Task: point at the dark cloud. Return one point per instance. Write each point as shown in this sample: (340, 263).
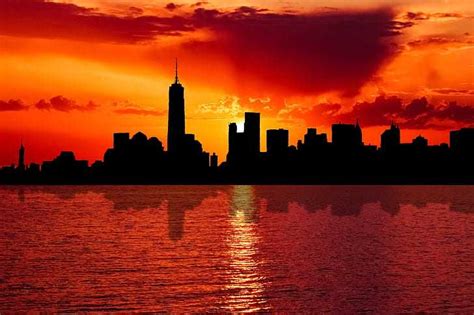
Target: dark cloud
(416, 108)
(446, 116)
(199, 4)
(39, 18)
(134, 11)
(447, 15)
(172, 6)
(60, 103)
(455, 112)
(448, 91)
(311, 53)
(12, 105)
(380, 112)
(441, 40)
(416, 16)
(421, 16)
(138, 111)
(417, 114)
(269, 52)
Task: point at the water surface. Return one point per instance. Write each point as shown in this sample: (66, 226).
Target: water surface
(341, 249)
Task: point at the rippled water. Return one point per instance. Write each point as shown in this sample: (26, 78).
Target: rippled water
(343, 249)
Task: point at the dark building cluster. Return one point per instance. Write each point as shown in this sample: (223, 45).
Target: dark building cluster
(139, 159)
(142, 158)
(347, 159)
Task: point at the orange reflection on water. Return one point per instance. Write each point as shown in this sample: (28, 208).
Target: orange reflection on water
(246, 282)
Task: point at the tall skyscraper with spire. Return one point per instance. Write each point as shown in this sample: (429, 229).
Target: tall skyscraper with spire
(21, 157)
(176, 118)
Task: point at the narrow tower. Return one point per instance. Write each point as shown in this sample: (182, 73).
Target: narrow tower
(176, 125)
(21, 157)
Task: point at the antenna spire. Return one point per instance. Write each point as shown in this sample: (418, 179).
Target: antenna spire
(176, 80)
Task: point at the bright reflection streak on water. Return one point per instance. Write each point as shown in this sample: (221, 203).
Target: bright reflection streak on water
(246, 283)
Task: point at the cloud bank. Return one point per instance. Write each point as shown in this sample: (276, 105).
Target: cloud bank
(271, 52)
(417, 114)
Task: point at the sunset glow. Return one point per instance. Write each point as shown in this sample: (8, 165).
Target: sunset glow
(74, 72)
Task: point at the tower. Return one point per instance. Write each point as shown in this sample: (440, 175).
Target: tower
(252, 132)
(21, 157)
(176, 124)
(232, 138)
(214, 161)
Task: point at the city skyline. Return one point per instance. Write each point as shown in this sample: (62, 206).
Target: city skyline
(314, 159)
(74, 73)
(177, 120)
(261, 156)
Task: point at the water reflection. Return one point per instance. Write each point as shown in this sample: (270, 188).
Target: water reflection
(175, 200)
(350, 200)
(245, 287)
(339, 200)
(131, 248)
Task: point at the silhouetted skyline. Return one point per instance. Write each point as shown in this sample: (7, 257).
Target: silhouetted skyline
(140, 159)
(89, 75)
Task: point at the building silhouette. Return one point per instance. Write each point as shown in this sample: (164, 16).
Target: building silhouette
(390, 138)
(462, 142)
(136, 156)
(214, 161)
(420, 142)
(244, 147)
(347, 137)
(277, 142)
(314, 160)
(313, 142)
(64, 167)
(21, 158)
(252, 131)
(176, 116)
(144, 159)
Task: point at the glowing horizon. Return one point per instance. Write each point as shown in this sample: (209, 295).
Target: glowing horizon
(74, 73)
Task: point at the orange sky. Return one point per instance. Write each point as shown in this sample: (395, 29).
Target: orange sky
(103, 66)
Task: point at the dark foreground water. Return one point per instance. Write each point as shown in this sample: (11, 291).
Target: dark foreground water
(237, 248)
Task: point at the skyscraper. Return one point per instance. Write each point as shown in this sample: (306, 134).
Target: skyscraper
(21, 157)
(244, 146)
(252, 132)
(462, 141)
(277, 142)
(232, 138)
(176, 124)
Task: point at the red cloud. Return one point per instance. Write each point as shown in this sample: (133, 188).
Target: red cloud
(172, 6)
(12, 105)
(306, 54)
(60, 103)
(39, 18)
(418, 114)
(449, 91)
(269, 52)
(421, 16)
(451, 41)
